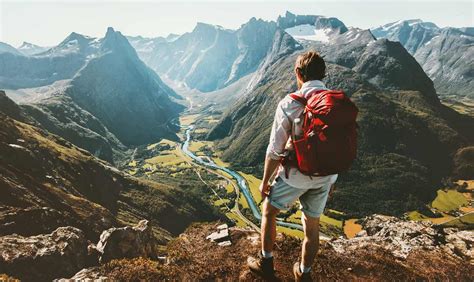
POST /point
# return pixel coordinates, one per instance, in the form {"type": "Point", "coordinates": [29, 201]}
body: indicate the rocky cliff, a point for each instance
{"type": "Point", "coordinates": [386, 249]}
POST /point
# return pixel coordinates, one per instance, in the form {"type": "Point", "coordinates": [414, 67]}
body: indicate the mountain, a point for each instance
{"type": "Point", "coordinates": [29, 49]}
{"type": "Point", "coordinates": [47, 182]}
{"type": "Point", "coordinates": [446, 54]}
{"type": "Point", "coordinates": [6, 48]}
{"type": "Point", "coordinates": [402, 123]}
{"type": "Point", "coordinates": [412, 34]}
{"type": "Point", "coordinates": [210, 57]}
{"type": "Point", "coordinates": [447, 58]}
{"type": "Point", "coordinates": [111, 101]}
{"type": "Point", "coordinates": [58, 63]}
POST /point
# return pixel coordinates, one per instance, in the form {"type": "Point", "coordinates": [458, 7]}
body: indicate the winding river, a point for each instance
{"type": "Point", "coordinates": [240, 181]}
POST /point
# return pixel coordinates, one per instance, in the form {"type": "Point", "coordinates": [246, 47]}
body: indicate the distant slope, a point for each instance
{"type": "Point", "coordinates": [112, 100]}
{"type": "Point", "coordinates": [60, 62]}
{"type": "Point", "coordinates": [448, 59]}
{"type": "Point", "coordinates": [46, 182]}
{"type": "Point", "coordinates": [446, 54]}
{"type": "Point", "coordinates": [7, 48]}
{"type": "Point", "coordinates": [29, 49]}
{"type": "Point", "coordinates": [210, 57]}
{"type": "Point", "coordinates": [124, 94]}
{"type": "Point", "coordinates": [402, 123]}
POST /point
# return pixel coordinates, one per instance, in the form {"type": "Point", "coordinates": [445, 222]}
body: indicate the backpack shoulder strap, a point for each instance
{"type": "Point", "coordinates": [299, 98]}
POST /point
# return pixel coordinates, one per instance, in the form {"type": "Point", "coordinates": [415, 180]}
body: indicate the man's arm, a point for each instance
{"type": "Point", "coordinates": [270, 166]}
{"type": "Point", "coordinates": [276, 148]}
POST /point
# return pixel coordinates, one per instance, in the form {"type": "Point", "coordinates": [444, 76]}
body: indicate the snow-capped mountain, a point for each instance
{"type": "Point", "coordinates": [411, 33]}
{"type": "Point", "coordinates": [446, 54]}
{"type": "Point", "coordinates": [31, 49]}
{"type": "Point", "coordinates": [57, 63]}
{"type": "Point", "coordinates": [107, 97]}
{"type": "Point", "coordinates": [210, 57]}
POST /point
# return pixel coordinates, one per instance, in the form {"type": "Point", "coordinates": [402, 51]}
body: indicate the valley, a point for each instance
{"type": "Point", "coordinates": [166, 137]}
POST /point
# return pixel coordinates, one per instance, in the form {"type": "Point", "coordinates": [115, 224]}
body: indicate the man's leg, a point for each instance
{"type": "Point", "coordinates": [268, 226]}
{"type": "Point", "coordinates": [311, 240]}
{"type": "Point", "coordinates": [263, 264]}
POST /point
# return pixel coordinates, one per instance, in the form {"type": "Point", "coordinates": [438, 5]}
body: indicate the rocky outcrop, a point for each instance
{"type": "Point", "coordinates": [65, 252]}
{"type": "Point", "coordinates": [43, 257]}
{"type": "Point", "coordinates": [401, 238]}
{"type": "Point", "coordinates": [127, 242]}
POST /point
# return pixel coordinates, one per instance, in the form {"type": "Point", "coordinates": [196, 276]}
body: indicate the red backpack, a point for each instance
{"type": "Point", "coordinates": [328, 141]}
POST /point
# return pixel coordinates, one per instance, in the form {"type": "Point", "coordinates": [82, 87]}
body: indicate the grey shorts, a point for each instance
{"type": "Point", "coordinates": [312, 200]}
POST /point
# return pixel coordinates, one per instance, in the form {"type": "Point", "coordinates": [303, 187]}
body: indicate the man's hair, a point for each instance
{"type": "Point", "coordinates": [311, 66]}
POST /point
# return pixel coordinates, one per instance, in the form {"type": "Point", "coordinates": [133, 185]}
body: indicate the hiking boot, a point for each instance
{"type": "Point", "coordinates": [300, 276]}
{"type": "Point", "coordinates": [261, 266]}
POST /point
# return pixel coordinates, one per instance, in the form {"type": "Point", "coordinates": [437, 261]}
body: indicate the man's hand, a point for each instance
{"type": "Point", "coordinates": [264, 189]}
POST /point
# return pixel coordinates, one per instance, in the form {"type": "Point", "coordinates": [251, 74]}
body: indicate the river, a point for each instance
{"type": "Point", "coordinates": [242, 183]}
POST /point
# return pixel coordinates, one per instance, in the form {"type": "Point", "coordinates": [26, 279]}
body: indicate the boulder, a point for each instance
{"type": "Point", "coordinates": [128, 242]}
{"type": "Point", "coordinates": [219, 236]}
{"type": "Point", "coordinates": [86, 274]}
{"type": "Point", "coordinates": [43, 257]}
{"type": "Point", "coordinates": [401, 237]}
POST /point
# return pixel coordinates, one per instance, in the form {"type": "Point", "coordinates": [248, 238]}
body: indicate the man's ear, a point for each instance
{"type": "Point", "coordinates": [298, 74]}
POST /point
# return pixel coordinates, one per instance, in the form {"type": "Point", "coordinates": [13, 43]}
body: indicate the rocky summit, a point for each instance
{"type": "Point", "coordinates": [386, 247]}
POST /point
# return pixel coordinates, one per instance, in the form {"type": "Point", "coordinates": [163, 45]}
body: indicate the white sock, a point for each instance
{"type": "Point", "coordinates": [304, 269]}
{"type": "Point", "coordinates": [267, 254]}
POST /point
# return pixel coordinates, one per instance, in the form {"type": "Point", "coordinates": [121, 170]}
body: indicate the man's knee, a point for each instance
{"type": "Point", "coordinates": [269, 210]}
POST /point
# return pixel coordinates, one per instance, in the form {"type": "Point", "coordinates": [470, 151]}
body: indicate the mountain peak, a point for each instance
{"type": "Point", "coordinates": [110, 30]}
{"type": "Point", "coordinates": [116, 42]}
{"type": "Point", "coordinates": [330, 22]}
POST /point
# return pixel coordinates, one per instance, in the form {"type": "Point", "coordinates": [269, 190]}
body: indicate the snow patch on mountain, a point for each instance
{"type": "Point", "coordinates": [309, 32]}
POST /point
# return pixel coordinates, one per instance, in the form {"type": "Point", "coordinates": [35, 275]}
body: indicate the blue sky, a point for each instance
{"type": "Point", "coordinates": [48, 22]}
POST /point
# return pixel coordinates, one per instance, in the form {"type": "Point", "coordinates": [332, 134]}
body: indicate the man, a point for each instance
{"type": "Point", "coordinates": [292, 185]}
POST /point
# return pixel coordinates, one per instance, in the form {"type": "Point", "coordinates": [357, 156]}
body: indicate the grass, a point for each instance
{"type": "Point", "coordinates": [463, 221]}
{"type": "Point", "coordinates": [235, 218]}
{"type": "Point", "coordinates": [449, 200]}
{"type": "Point", "coordinates": [296, 218]}
{"type": "Point", "coordinates": [229, 188]}
{"type": "Point", "coordinates": [219, 162]}
{"type": "Point", "coordinates": [243, 201]}
{"type": "Point", "coordinates": [291, 231]}
{"type": "Point", "coordinates": [415, 215]}
{"type": "Point", "coordinates": [221, 202]}
{"type": "Point", "coordinates": [152, 146]}
{"type": "Point", "coordinates": [188, 119]}
{"type": "Point", "coordinates": [196, 146]}
{"type": "Point", "coordinates": [253, 184]}
{"type": "Point", "coordinates": [351, 228]}
{"type": "Point", "coordinates": [201, 130]}
{"type": "Point", "coordinates": [331, 221]}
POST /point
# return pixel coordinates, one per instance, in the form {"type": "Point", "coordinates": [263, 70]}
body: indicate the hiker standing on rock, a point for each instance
{"type": "Point", "coordinates": [313, 138]}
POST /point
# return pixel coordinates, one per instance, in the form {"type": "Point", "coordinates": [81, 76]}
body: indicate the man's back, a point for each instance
{"type": "Point", "coordinates": [286, 112]}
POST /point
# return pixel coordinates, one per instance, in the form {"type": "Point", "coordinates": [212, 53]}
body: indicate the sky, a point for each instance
{"type": "Point", "coordinates": [47, 23]}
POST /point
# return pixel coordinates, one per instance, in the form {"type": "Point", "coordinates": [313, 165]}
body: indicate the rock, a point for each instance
{"type": "Point", "coordinates": [224, 243]}
{"type": "Point", "coordinates": [219, 236]}
{"type": "Point", "coordinates": [91, 273]}
{"type": "Point", "coordinates": [32, 220]}
{"type": "Point", "coordinates": [43, 257]}
{"type": "Point", "coordinates": [403, 237]}
{"type": "Point", "coordinates": [127, 242]}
